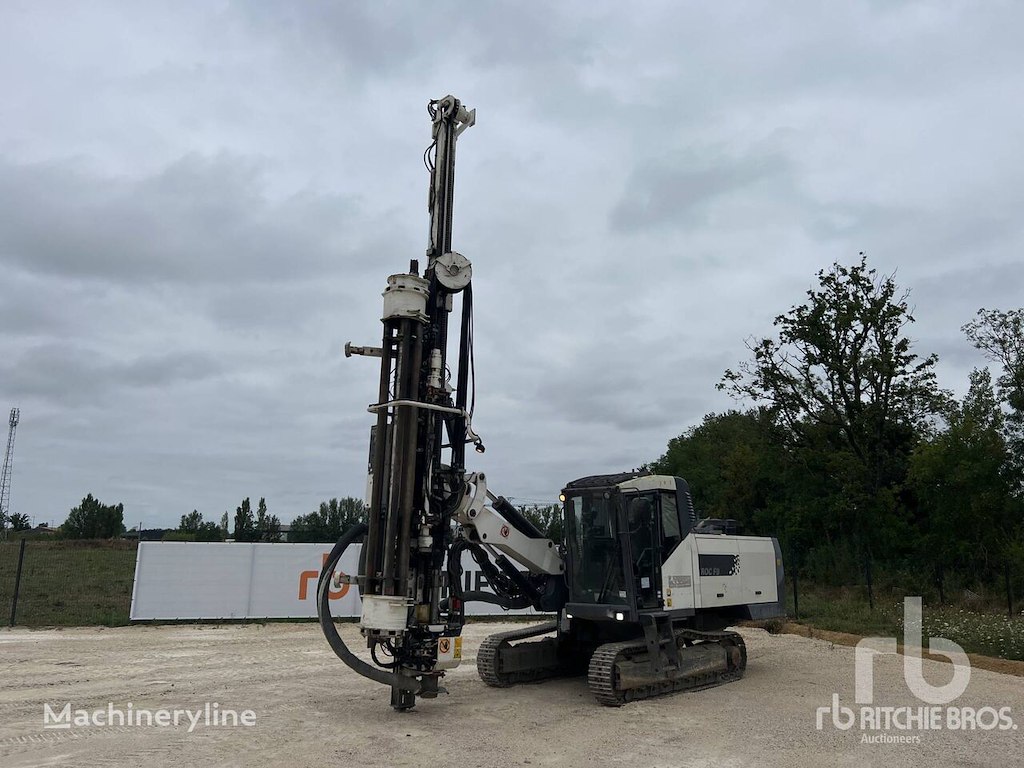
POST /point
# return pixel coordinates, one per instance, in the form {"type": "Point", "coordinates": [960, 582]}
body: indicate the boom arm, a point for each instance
{"type": "Point", "coordinates": [481, 523]}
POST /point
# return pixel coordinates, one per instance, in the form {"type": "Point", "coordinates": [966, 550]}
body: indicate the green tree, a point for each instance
{"type": "Point", "coordinates": [20, 522]}
{"type": "Point", "coordinates": [842, 360]}
{"type": "Point", "coordinates": [851, 398]}
{"type": "Point", "coordinates": [190, 523]}
{"type": "Point", "coordinates": [738, 467]}
{"type": "Point", "coordinates": [268, 527]}
{"type": "Point", "coordinates": [209, 531]}
{"type": "Point", "coordinates": [962, 479]}
{"type": "Point", "coordinates": [1000, 335]}
{"type": "Point", "coordinates": [245, 524]}
{"type": "Point", "coordinates": [195, 528]}
{"type": "Point", "coordinates": [94, 520]}
{"type": "Point", "coordinates": [547, 519]}
{"type": "Point", "coordinates": [329, 521]}
{"type": "Point", "coordinates": [729, 462]}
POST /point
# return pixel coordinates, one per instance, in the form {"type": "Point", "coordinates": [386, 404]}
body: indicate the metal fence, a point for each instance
{"type": "Point", "coordinates": [45, 582]}
{"type": "Point", "coordinates": [66, 583]}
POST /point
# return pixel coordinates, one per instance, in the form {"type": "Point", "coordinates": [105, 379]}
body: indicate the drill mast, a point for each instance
{"type": "Point", "coordinates": [417, 460]}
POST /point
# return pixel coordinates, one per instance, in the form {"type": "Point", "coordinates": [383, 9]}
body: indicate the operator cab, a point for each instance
{"type": "Point", "coordinates": [619, 529]}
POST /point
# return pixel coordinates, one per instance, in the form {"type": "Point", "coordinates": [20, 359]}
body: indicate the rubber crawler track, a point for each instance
{"type": "Point", "coordinates": [603, 680]}
{"type": "Point", "coordinates": [489, 667]}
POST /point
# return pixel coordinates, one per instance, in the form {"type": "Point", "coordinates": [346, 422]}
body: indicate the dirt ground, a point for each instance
{"type": "Point", "coordinates": [310, 709]}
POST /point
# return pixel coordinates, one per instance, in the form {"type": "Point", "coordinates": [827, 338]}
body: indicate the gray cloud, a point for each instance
{"type": "Point", "coordinates": [66, 375]}
{"type": "Point", "coordinates": [199, 219]}
{"type": "Point", "coordinates": [678, 191]}
{"type": "Point", "coordinates": [199, 205]}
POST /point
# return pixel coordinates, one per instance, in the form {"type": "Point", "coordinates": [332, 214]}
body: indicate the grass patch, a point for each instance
{"type": "Point", "coordinates": [843, 610]}
{"type": "Point", "coordinates": [985, 633]}
{"type": "Point", "coordinates": [976, 630]}
{"type": "Point", "coordinates": [69, 583]}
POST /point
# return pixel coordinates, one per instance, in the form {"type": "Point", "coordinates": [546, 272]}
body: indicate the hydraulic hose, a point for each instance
{"type": "Point", "coordinates": [507, 591]}
{"type": "Point", "coordinates": [508, 603]}
{"type": "Point", "coordinates": [331, 632]}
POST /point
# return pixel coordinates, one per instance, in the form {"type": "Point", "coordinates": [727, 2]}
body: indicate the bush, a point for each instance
{"type": "Point", "coordinates": [178, 536]}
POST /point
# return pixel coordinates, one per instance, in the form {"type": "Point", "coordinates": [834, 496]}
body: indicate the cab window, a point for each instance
{"type": "Point", "coordinates": [671, 531]}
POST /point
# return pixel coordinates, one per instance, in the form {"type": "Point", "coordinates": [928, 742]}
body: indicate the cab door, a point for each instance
{"type": "Point", "coordinates": [642, 534]}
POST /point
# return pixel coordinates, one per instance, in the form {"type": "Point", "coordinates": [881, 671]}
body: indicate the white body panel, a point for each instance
{"type": "Point", "coordinates": [734, 570]}
{"type": "Point", "coordinates": [649, 483]}
{"type": "Point", "coordinates": [677, 577]}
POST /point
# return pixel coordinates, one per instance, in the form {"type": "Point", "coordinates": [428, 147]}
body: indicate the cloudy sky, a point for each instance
{"type": "Point", "coordinates": [200, 203]}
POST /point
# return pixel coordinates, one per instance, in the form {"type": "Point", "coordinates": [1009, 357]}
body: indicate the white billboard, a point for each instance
{"type": "Point", "coordinates": [220, 580]}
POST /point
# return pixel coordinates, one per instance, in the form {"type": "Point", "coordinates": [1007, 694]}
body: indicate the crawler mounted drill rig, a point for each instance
{"type": "Point", "coordinates": [640, 591]}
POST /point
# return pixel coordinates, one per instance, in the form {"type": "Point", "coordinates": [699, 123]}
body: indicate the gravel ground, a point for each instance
{"type": "Point", "coordinates": [311, 709]}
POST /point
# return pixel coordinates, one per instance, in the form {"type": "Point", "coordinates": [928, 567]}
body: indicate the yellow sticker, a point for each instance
{"type": "Point", "coordinates": [458, 647]}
